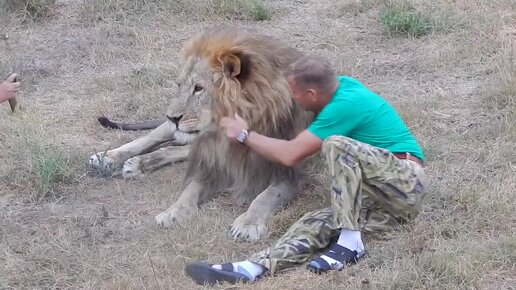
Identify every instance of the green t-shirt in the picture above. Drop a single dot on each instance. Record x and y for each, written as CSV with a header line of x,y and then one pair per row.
x,y
356,112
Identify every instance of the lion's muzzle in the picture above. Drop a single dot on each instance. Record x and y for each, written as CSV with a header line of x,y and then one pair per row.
x,y
175,119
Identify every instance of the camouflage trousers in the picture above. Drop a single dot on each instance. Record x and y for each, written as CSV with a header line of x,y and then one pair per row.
x,y
371,190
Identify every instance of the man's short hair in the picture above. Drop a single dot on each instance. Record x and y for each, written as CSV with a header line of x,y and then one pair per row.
x,y
312,71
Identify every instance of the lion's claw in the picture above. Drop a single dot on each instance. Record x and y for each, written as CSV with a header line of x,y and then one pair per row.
x,y
176,215
248,227
132,168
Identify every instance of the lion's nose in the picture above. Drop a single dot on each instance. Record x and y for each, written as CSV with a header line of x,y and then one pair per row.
x,y
175,119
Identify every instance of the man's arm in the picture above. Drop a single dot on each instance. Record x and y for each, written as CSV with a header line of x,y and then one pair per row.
x,y
286,152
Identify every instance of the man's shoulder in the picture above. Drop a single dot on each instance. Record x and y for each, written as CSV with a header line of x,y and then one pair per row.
x,y
347,81
342,114
347,99
356,92
349,93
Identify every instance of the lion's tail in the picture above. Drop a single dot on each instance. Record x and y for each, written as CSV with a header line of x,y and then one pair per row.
x,y
144,125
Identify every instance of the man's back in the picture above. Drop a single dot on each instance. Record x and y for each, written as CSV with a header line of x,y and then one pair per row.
x,y
358,113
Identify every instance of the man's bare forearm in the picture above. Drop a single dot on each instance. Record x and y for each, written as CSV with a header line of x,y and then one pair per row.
x,y
275,150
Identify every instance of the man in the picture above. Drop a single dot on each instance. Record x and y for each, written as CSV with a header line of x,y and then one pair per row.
x,y
374,161
9,88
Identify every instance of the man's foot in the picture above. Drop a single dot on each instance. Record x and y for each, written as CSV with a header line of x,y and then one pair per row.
x,y
348,250
244,271
334,259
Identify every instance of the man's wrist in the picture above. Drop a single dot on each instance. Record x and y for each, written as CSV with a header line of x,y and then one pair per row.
x,y
243,135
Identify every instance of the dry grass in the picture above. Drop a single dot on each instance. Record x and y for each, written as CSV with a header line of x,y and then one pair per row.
x,y
454,85
30,10
109,10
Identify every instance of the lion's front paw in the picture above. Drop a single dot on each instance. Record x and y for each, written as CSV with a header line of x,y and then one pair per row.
x,y
247,226
132,168
101,164
174,215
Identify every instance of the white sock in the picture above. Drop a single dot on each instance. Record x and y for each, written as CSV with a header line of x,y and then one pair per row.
x,y
352,240
349,239
248,268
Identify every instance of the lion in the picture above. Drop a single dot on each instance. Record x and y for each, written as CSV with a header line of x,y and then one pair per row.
x,y
226,70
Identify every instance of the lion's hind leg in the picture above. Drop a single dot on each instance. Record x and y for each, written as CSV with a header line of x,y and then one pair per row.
x,y
139,165
252,224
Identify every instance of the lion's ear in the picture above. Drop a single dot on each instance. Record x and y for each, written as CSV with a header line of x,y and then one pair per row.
x,y
235,64
232,64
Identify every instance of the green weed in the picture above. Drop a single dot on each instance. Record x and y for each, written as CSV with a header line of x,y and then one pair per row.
x,y
399,17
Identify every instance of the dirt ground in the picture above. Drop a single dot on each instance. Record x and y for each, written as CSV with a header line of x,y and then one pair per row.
x,y
61,228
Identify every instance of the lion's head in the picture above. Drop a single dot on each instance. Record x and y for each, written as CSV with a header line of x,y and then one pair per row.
x,y
229,71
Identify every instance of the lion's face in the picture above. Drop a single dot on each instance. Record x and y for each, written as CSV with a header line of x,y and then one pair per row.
x,y
190,110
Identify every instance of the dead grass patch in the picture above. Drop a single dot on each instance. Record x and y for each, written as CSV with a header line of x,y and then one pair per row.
x,y
32,10
116,10
463,265
240,9
144,78
504,102
354,7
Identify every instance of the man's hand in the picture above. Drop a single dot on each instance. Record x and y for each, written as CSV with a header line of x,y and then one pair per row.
x,y
9,88
233,126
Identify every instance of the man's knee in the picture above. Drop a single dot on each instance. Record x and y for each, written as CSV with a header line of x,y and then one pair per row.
x,y
320,216
336,141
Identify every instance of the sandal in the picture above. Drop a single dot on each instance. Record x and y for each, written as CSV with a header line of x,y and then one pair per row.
x,y
203,273
337,252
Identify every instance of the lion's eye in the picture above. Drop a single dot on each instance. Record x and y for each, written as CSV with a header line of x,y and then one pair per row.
x,y
197,88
